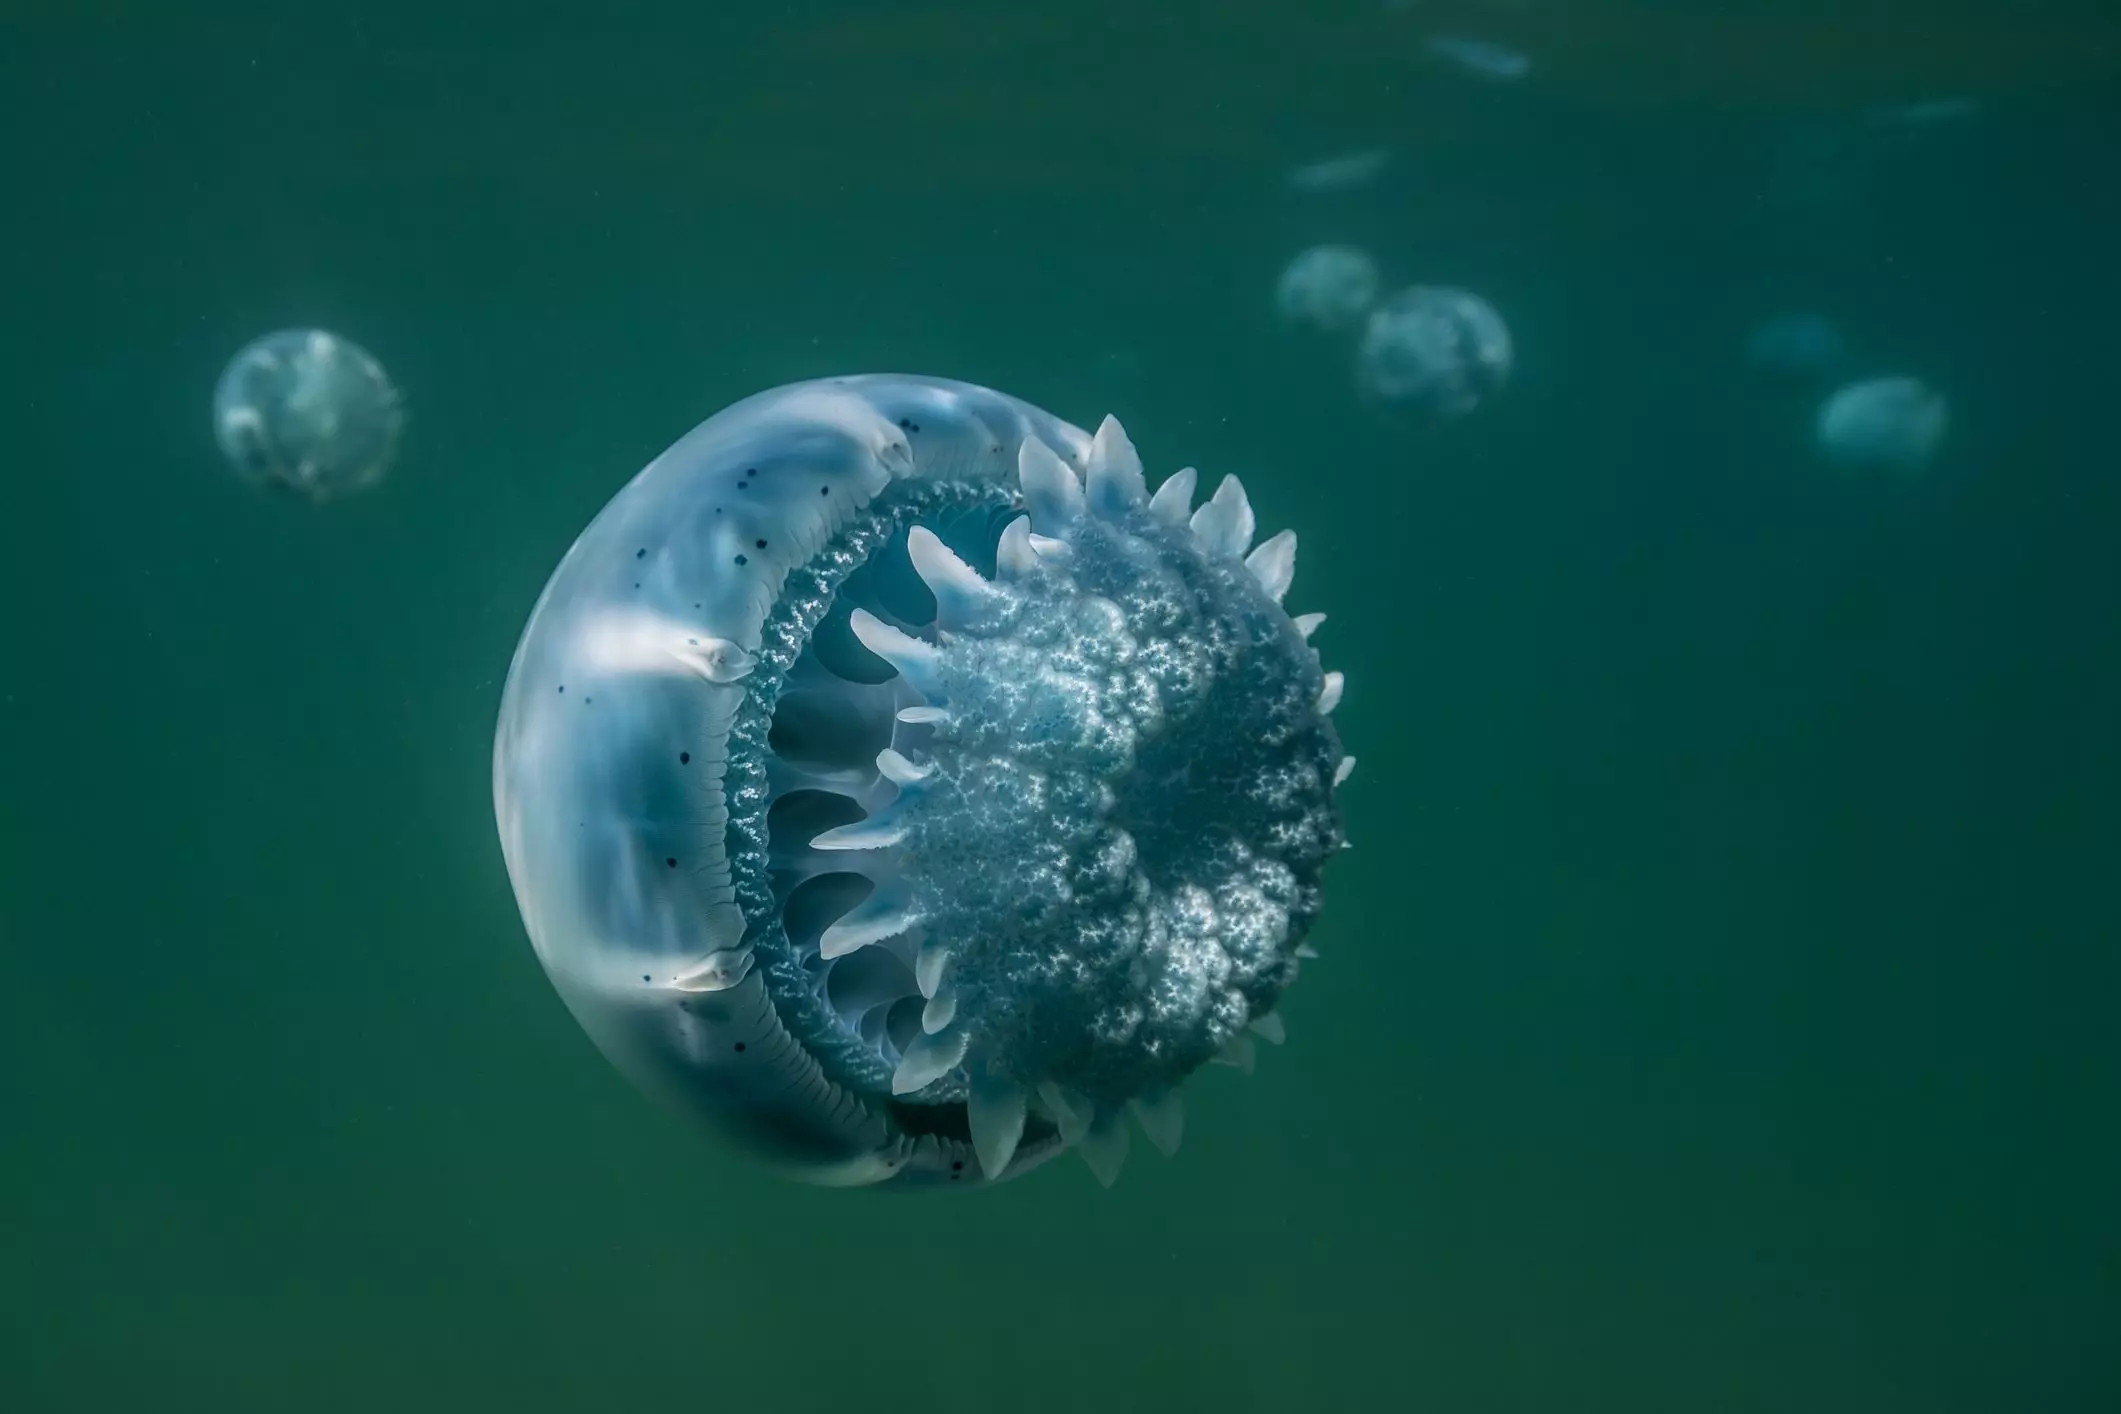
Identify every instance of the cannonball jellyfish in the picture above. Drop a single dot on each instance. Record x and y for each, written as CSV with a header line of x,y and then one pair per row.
x,y
1328,287
308,411
1890,424
891,782
1434,351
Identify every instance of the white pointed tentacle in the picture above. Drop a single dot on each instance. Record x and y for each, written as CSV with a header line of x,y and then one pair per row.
x,y
1273,564
1163,1118
962,595
917,660
884,914
1113,471
1104,1148
1225,524
1173,500
1052,493
1329,695
927,1060
996,1110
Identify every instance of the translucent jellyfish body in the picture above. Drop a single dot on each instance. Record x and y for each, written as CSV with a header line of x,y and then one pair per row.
x,y
1434,352
1892,424
1328,287
893,783
309,411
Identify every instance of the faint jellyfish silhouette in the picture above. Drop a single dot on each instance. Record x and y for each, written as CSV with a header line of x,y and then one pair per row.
x,y
1434,351
1891,424
308,411
1480,58
1795,346
1328,287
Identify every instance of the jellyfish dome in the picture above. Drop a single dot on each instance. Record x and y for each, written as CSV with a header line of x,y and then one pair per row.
x,y
308,411
1328,287
1891,424
891,782
1433,351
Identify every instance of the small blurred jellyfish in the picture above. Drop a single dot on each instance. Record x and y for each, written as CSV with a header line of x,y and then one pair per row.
x,y
308,411
1434,351
1795,346
1890,424
1328,287
1342,173
1480,58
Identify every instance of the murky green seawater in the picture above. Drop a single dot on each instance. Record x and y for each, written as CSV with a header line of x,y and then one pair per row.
x,y
1716,1014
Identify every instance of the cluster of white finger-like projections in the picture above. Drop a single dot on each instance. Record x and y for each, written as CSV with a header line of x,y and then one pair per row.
x,y
1110,804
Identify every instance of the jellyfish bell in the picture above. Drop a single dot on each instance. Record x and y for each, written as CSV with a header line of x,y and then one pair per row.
x,y
1891,424
308,411
1328,288
892,782
1433,352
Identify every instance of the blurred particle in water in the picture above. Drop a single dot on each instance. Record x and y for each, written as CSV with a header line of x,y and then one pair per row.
x,y
1889,424
1480,58
1933,113
308,411
1433,351
1796,346
1341,173
1328,287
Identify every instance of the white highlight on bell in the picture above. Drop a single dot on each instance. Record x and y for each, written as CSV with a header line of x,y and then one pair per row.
x,y
1329,695
717,972
1173,500
1225,524
1113,470
922,715
1345,769
1307,624
860,419
1273,564
927,1060
644,643
1053,495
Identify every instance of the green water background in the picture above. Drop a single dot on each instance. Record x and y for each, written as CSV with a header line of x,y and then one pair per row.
x,y
1716,1013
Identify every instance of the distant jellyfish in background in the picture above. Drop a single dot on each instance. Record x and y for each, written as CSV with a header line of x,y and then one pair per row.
x,y
1328,287
1345,172
1891,424
1433,351
308,411
892,782
1480,58
1795,346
